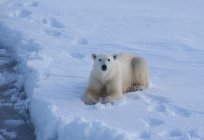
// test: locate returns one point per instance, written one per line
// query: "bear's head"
(104, 63)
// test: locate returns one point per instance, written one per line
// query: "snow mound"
(86, 130)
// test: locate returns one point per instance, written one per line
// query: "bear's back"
(126, 70)
(134, 72)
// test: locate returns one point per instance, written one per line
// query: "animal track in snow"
(77, 55)
(153, 122)
(180, 111)
(52, 32)
(80, 41)
(163, 105)
(83, 41)
(194, 134)
(175, 133)
(53, 22)
(145, 135)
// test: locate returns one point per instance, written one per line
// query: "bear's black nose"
(104, 67)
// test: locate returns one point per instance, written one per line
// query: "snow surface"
(53, 41)
(4, 135)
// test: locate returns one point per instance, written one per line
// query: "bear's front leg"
(114, 90)
(115, 95)
(90, 98)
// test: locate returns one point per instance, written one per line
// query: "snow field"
(54, 46)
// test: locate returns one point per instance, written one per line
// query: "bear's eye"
(99, 59)
(108, 59)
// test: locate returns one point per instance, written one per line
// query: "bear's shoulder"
(125, 57)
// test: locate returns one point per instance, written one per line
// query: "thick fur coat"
(113, 75)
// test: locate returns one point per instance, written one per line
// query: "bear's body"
(112, 76)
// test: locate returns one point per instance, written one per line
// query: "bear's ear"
(93, 56)
(115, 56)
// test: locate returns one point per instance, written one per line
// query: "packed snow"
(4, 135)
(14, 118)
(53, 42)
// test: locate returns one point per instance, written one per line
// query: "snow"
(14, 123)
(4, 134)
(53, 40)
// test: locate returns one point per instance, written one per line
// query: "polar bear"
(113, 75)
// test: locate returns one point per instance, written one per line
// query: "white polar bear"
(113, 75)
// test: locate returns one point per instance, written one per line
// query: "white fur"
(124, 73)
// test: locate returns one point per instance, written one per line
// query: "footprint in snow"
(179, 111)
(52, 22)
(163, 105)
(80, 41)
(153, 122)
(77, 55)
(194, 134)
(145, 135)
(22, 13)
(52, 33)
(176, 133)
